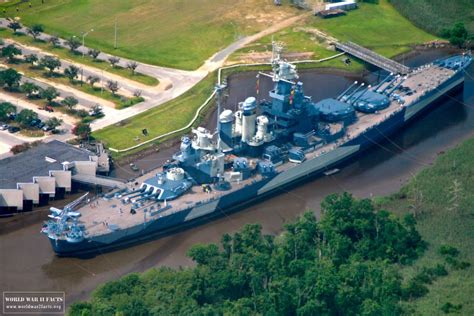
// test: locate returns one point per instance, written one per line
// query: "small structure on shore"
(343, 5)
(325, 14)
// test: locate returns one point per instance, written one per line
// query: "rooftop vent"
(49, 159)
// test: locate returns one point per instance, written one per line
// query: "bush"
(413, 290)
(446, 250)
(82, 113)
(456, 264)
(24, 147)
(449, 308)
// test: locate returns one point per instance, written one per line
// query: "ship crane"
(59, 223)
(69, 207)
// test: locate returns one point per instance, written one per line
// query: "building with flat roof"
(44, 172)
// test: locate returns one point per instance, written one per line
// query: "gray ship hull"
(258, 190)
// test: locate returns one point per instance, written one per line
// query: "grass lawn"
(440, 221)
(167, 117)
(66, 54)
(376, 26)
(175, 33)
(297, 40)
(435, 15)
(31, 132)
(175, 113)
(33, 72)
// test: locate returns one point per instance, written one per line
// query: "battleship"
(256, 151)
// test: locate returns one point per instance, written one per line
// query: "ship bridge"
(373, 58)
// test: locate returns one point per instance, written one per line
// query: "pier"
(373, 58)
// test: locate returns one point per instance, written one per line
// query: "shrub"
(446, 250)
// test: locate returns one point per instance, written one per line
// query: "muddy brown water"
(27, 262)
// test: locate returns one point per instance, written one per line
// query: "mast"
(219, 88)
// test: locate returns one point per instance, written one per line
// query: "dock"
(373, 58)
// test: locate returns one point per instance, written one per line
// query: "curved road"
(178, 81)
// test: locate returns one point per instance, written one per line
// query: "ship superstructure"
(256, 150)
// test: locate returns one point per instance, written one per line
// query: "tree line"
(344, 264)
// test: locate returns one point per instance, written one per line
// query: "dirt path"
(218, 59)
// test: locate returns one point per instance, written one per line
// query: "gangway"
(373, 58)
(99, 180)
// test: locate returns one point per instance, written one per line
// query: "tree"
(137, 93)
(93, 80)
(25, 117)
(54, 41)
(11, 51)
(132, 65)
(82, 130)
(73, 43)
(50, 63)
(50, 94)
(32, 90)
(457, 35)
(31, 59)
(96, 110)
(36, 30)
(94, 53)
(69, 102)
(114, 60)
(10, 77)
(71, 72)
(113, 86)
(15, 26)
(6, 108)
(53, 122)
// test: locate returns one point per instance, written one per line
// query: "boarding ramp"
(99, 180)
(373, 58)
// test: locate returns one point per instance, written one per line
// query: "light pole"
(84, 34)
(102, 82)
(115, 34)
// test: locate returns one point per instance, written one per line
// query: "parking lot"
(10, 138)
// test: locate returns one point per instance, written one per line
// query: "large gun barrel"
(395, 88)
(383, 81)
(360, 95)
(346, 98)
(347, 90)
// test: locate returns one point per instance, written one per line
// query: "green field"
(297, 41)
(66, 54)
(436, 15)
(181, 34)
(376, 26)
(444, 217)
(167, 117)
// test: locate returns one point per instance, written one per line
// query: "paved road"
(177, 81)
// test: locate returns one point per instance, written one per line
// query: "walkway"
(97, 180)
(179, 81)
(373, 58)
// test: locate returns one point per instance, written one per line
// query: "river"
(27, 262)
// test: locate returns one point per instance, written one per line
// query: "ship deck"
(101, 216)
